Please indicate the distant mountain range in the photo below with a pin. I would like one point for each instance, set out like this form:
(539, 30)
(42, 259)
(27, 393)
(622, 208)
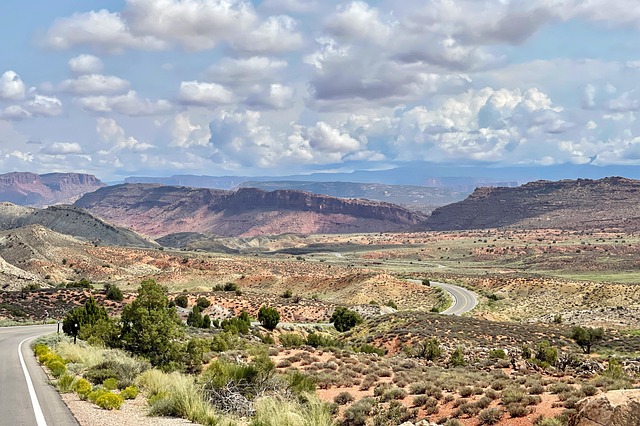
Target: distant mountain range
(157, 210)
(583, 204)
(30, 189)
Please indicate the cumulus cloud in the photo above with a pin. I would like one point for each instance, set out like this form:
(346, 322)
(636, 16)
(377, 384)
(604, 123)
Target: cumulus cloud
(358, 20)
(62, 148)
(95, 84)
(11, 86)
(276, 35)
(128, 104)
(204, 94)
(45, 106)
(14, 113)
(85, 64)
(110, 132)
(275, 96)
(186, 134)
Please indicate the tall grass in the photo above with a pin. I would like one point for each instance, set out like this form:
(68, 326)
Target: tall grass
(273, 411)
(174, 394)
(86, 355)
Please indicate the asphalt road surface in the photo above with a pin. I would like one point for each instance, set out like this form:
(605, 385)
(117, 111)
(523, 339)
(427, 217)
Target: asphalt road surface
(26, 398)
(463, 300)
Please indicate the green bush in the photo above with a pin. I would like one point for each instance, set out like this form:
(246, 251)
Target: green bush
(114, 293)
(110, 401)
(291, 340)
(318, 340)
(300, 383)
(57, 367)
(497, 354)
(41, 349)
(585, 337)
(490, 416)
(130, 392)
(82, 388)
(97, 393)
(268, 317)
(370, 349)
(358, 413)
(110, 384)
(181, 300)
(203, 302)
(429, 350)
(65, 383)
(344, 319)
(546, 353)
(457, 358)
(343, 398)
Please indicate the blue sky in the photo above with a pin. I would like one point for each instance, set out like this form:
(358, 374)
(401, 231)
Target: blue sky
(275, 87)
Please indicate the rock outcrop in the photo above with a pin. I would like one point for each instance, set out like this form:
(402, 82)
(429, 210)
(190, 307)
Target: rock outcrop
(614, 408)
(583, 204)
(30, 189)
(157, 210)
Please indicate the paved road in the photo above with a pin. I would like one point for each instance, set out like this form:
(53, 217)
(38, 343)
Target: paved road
(27, 401)
(463, 300)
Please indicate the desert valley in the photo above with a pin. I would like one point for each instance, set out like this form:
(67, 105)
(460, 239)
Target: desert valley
(358, 289)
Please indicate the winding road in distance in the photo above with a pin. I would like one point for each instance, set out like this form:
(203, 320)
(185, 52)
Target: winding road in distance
(463, 300)
(26, 398)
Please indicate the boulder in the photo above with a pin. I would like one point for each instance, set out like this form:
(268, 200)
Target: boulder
(614, 408)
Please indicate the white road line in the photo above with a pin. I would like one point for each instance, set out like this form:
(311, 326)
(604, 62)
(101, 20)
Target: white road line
(32, 392)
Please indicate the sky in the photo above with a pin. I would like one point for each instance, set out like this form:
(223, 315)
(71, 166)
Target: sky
(276, 87)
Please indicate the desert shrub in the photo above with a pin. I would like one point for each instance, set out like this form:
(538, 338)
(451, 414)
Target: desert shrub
(114, 293)
(291, 340)
(237, 325)
(358, 412)
(130, 392)
(512, 394)
(393, 393)
(497, 354)
(546, 354)
(420, 400)
(589, 390)
(536, 389)
(343, 398)
(97, 393)
(300, 383)
(116, 365)
(517, 410)
(57, 367)
(65, 383)
(88, 314)
(194, 319)
(559, 387)
(483, 402)
(344, 319)
(110, 401)
(394, 415)
(82, 388)
(288, 294)
(548, 421)
(466, 392)
(181, 300)
(429, 350)
(490, 416)
(202, 302)
(268, 317)
(110, 383)
(41, 349)
(457, 358)
(318, 340)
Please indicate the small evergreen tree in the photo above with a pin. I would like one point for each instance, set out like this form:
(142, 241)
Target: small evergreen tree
(268, 317)
(586, 336)
(344, 319)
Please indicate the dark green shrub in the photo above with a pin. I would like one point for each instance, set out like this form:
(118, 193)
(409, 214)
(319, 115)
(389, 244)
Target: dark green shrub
(291, 340)
(344, 319)
(181, 300)
(457, 358)
(268, 317)
(114, 293)
(343, 398)
(585, 337)
(490, 416)
(203, 302)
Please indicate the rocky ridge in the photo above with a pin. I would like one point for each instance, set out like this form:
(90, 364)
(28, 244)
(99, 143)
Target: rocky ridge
(583, 204)
(71, 221)
(30, 189)
(158, 210)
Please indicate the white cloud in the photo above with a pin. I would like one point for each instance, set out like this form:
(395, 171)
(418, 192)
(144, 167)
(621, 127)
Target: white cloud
(11, 86)
(45, 106)
(109, 131)
(204, 94)
(275, 96)
(101, 29)
(62, 148)
(276, 35)
(185, 134)
(358, 20)
(95, 84)
(85, 64)
(128, 104)
(292, 6)
(14, 113)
